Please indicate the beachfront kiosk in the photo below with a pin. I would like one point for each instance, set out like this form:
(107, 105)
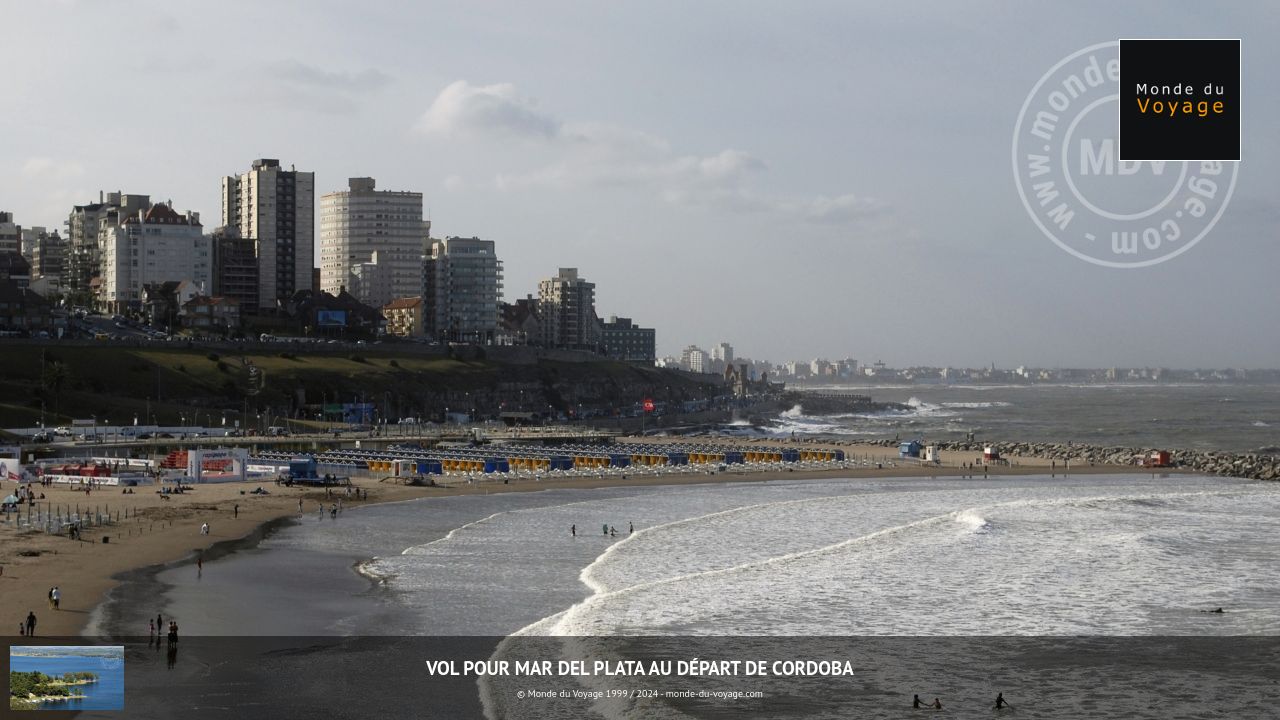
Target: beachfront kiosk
(910, 449)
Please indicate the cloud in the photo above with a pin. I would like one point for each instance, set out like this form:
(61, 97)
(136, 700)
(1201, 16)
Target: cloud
(299, 73)
(463, 108)
(300, 87)
(589, 155)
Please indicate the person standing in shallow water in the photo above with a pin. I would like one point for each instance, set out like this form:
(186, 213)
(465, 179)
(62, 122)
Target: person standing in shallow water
(573, 530)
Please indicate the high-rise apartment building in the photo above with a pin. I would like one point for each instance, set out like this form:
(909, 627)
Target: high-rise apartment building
(567, 304)
(462, 284)
(371, 242)
(152, 247)
(85, 227)
(235, 268)
(275, 208)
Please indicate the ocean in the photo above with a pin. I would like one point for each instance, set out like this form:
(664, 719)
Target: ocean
(1227, 417)
(967, 586)
(1024, 555)
(1098, 591)
(106, 694)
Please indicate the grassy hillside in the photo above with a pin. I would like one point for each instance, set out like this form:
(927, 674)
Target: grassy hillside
(116, 384)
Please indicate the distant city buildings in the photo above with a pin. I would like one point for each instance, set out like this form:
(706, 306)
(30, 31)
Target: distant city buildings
(722, 352)
(152, 247)
(462, 289)
(371, 242)
(567, 305)
(379, 270)
(275, 208)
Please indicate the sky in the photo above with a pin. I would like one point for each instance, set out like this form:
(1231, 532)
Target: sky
(798, 179)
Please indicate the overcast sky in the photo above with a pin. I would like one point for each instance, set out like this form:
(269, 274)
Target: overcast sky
(799, 179)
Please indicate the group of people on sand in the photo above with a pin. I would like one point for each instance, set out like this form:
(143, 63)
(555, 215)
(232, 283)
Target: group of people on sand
(919, 704)
(157, 626)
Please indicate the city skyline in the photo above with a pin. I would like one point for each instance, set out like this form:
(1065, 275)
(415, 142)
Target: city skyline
(807, 168)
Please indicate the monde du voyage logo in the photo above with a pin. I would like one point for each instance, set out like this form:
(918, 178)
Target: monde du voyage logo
(1129, 169)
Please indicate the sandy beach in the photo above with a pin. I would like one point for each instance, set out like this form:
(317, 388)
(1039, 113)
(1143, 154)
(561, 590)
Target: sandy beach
(155, 531)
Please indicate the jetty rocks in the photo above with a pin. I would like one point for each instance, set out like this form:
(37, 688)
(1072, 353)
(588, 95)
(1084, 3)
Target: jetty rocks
(1256, 466)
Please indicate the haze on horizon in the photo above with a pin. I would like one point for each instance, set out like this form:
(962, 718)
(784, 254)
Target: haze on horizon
(821, 180)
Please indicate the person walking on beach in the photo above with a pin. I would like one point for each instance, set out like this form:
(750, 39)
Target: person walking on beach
(299, 506)
(200, 565)
(31, 624)
(50, 594)
(204, 529)
(236, 511)
(151, 628)
(56, 594)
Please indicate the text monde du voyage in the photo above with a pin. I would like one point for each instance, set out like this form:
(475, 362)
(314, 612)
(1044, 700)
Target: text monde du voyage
(1180, 99)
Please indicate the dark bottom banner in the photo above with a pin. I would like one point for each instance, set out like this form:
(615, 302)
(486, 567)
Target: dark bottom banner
(671, 677)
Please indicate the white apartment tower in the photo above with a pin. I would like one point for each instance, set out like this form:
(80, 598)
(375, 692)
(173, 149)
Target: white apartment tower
(153, 246)
(276, 209)
(371, 242)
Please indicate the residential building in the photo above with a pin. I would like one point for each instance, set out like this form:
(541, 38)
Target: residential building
(151, 247)
(20, 308)
(45, 251)
(462, 289)
(694, 359)
(211, 314)
(621, 339)
(519, 323)
(722, 352)
(567, 304)
(405, 317)
(364, 226)
(15, 269)
(235, 269)
(275, 208)
(85, 227)
(340, 315)
(10, 233)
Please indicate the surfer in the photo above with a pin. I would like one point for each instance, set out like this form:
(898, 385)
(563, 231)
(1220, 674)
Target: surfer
(1215, 611)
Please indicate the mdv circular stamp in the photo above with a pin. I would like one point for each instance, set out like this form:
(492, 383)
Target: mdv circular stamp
(1113, 213)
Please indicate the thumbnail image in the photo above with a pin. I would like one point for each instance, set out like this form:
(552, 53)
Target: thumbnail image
(66, 677)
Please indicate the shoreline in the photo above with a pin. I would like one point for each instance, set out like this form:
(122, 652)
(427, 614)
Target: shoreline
(98, 569)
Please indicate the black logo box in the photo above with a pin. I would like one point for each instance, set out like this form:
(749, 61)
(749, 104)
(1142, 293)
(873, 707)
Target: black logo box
(1180, 64)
